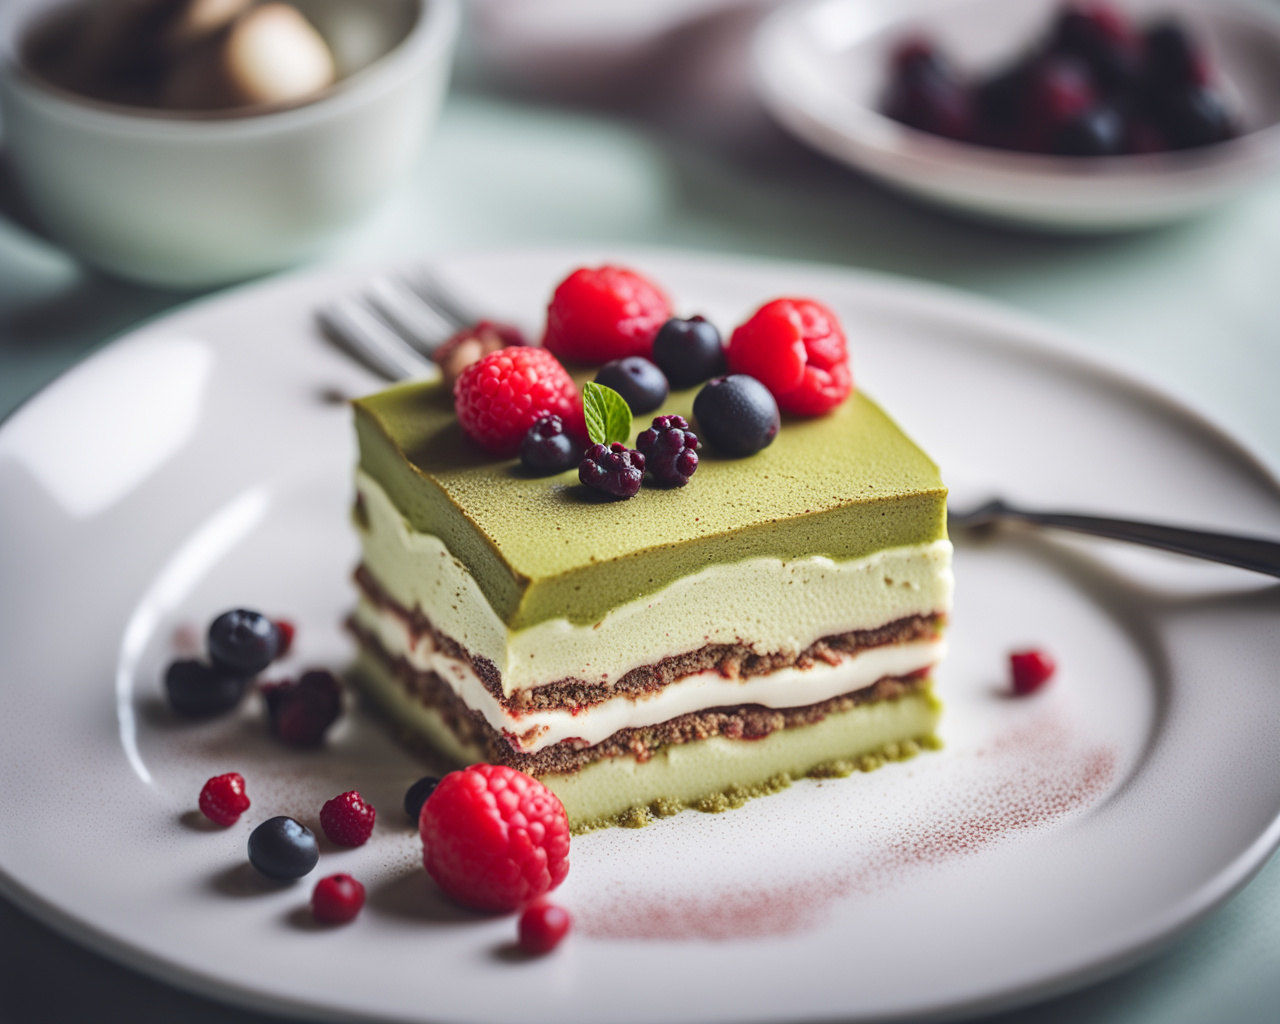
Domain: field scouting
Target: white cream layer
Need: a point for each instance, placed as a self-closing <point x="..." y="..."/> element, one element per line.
<point x="533" y="730"/>
<point x="767" y="604"/>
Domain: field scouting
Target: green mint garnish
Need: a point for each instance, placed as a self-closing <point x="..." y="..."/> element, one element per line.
<point x="608" y="415"/>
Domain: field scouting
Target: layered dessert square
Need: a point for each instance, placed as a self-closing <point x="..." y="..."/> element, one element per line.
<point x="690" y="647"/>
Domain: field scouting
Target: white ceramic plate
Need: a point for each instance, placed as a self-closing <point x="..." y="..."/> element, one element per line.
<point x="820" y="67"/>
<point x="195" y="465"/>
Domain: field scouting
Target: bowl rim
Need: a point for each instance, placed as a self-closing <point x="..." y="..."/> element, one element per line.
<point x="432" y="34"/>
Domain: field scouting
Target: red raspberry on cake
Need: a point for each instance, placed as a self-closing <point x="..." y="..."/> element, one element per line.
<point x="347" y="820"/>
<point x="598" y="315"/>
<point x="223" y="799"/>
<point x="796" y="348"/>
<point x="500" y="397"/>
<point x="493" y="838"/>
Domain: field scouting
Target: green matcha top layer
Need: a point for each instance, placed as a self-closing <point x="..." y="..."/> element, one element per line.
<point x="843" y="485"/>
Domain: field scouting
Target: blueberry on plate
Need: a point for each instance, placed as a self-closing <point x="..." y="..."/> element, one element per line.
<point x="417" y="795"/>
<point x="641" y="384"/>
<point x="737" y="415"/>
<point x="688" y="351"/>
<point x="283" y="849"/>
<point x="244" y="642"/>
<point x="197" y="690"/>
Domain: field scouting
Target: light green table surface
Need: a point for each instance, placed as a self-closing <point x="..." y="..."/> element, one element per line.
<point x="1194" y="307"/>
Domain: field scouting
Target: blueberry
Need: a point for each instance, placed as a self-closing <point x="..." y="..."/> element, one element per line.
<point x="197" y="690"/>
<point x="1103" y="41"/>
<point x="925" y="93"/>
<point x="546" y="448"/>
<point x="244" y="642"/>
<point x="688" y="351"/>
<point x="640" y="383"/>
<point x="283" y="849"/>
<point x="1193" y="116"/>
<point x="1173" y="58"/>
<point x="613" y="469"/>
<point x="1098" y="131"/>
<point x="737" y="414"/>
<point x="417" y="795"/>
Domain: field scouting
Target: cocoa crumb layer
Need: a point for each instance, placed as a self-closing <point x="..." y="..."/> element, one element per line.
<point x="733" y="661"/>
<point x="746" y="721"/>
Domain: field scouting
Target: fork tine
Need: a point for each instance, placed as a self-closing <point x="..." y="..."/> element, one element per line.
<point x="357" y="329"/>
<point x="429" y="288"/>
<point x="420" y="324"/>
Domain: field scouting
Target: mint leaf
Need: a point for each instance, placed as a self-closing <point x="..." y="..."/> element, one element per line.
<point x="608" y="415"/>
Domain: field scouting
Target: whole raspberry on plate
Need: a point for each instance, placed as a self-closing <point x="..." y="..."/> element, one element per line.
<point x="493" y="838"/>
<point x="796" y="348"/>
<point x="1031" y="670"/>
<point x="347" y="820"/>
<point x="500" y="397"/>
<point x="606" y="313"/>
<point x="542" y="926"/>
<point x="337" y="899"/>
<point x="223" y="799"/>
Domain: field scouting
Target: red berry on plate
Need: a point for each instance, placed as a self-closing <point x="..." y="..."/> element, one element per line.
<point x="796" y="348"/>
<point x="542" y="926"/>
<point x="493" y="838"/>
<point x="223" y="800"/>
<point x="1031" y="670"/>
<point x="500" y="397"/>
<point x="287" y="633"/>
<point x="300" y="713"/>
<point x="598" y="315"/>
<point x="337" y="899"/>
<point x="347" y="820"/>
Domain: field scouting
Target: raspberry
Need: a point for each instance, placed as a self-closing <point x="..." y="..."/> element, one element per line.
<point x="612" y="468"/>
<point x="301" y="712"/>
<point x="347" y="820"/>
<point x="471" y="344"/>
<point x="493" y="838"/>
<point x="1031" y="670"/>
<point x="287" y="632"/>
<point x="337" y="899"/>
<point x="223" y="800"/>
<point x="506" y="392"/>
<point x="604" y="314"/>
<point x="670" y="449"/>
<point x="795" y="348"/>
<point x="542" y="926"/>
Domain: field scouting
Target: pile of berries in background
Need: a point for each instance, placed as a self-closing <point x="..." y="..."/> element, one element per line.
<point x="1096" y="85"/>
<point x="791" y="356"/>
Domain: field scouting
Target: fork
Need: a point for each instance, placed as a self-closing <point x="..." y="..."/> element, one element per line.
<point x="397" y="323"/>
<point x="1253" y="553"/>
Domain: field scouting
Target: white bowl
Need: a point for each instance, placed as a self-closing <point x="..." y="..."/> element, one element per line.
<point x="821" y="66"/>
<point x="189" y="201"/>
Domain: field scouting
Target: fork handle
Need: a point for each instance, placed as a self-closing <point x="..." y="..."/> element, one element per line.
<point x="1245" y="552"/>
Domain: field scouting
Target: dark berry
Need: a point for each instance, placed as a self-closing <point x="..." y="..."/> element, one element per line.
<point x="301" y="712"/>
<point x="1030" y="670"/>
<point x="1001" y="103"/>
<point x="417" y="795"/>
<point x="613" y="468"/>
<point x="546" y="448"/>
<point x="1192" y="116"/>
<point x="1060" y="92"/>
<point x="925" y="93"/>
<point x="347" y="820"/>
<point x="282" y="849"/>
<point x="1173" y="57"/>
<point x="1100" y="37"/>
<point x="542" y="926"/>
<point x="737" y="415"/>
<point x="223" y="799"/>
<point x="670" y="450"/>
<point x="1098" y="131"/>
<point x="243" y="641"/>
<point x="641" y="384"/>
<point x="337" y="899"/>
<point x="689" y="351"/>
<point x="197" y="690"/>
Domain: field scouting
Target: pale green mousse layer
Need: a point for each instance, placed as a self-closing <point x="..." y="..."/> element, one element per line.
<point x="844" y="486"/>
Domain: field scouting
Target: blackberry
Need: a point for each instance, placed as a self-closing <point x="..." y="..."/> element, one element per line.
<point x="641" y="384"/>
<point x="283" y="849"/>
<point x="689" y="351"/>
<point x="670" y="449"/>
<point x="546" y="448"/>
<point x="1098" y="131"/>
<point x="417" y="795"/>
<point x="926" y="93"/>
<point x="243" y="642"/>
<point x="197" y="690"/>
<point x="737" y="414"/>
<point x="613" y="468"/>
<point x="300" y="713"/>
